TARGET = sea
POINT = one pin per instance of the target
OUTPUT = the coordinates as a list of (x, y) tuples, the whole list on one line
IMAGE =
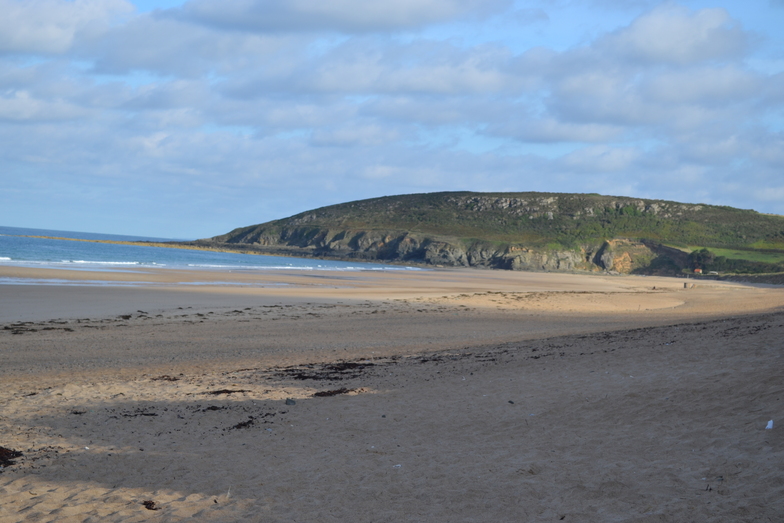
[(25, 247)]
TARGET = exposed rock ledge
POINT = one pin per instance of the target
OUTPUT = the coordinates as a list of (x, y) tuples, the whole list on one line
[(618, 255)]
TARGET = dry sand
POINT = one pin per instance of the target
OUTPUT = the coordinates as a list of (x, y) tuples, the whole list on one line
[(449, 395)]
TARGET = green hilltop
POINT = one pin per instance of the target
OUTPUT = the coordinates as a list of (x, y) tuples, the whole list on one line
[(539, 231)]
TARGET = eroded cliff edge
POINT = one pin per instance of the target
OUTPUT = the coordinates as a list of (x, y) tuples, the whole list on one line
[(515, 231)]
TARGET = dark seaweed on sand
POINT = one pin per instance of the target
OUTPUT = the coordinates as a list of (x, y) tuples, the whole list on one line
[(226, 391), (150, 505), (166, 377), (326, 393), (7, 456), (331, 372), (244, 424)]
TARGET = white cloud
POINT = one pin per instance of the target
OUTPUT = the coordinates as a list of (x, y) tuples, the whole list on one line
[(21, 106), (601, 158), (438, 111), (355, 135), (671, 34), (770, 194), (768, 149), (773, 90), (158, 108), (171, 47), (704, 85), (686, 74), (52, 26), (349, 16), (363, 66), (526, 16), (639, 103), (551, 130)]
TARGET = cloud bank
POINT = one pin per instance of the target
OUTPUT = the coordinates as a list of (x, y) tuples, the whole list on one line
[(192, 120)]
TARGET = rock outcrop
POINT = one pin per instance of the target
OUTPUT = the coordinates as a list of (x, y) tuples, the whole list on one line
[(515, 231), (618, 255)]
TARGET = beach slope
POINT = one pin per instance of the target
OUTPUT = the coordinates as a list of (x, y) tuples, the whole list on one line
[(438, 396)]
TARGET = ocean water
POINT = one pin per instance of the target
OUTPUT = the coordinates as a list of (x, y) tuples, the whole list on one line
[(19, 248)]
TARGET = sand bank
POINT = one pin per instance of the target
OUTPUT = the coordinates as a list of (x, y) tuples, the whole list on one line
[(70, 294), (446, 396)]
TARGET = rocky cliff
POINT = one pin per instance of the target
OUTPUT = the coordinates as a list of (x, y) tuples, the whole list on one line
[(517, 231)]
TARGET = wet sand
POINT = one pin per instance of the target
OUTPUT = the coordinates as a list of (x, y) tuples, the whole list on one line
[(448, 395)]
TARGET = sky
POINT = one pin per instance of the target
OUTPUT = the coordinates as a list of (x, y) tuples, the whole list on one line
[(189, 119)]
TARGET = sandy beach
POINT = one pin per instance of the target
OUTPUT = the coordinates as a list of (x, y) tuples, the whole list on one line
[(443, 395)]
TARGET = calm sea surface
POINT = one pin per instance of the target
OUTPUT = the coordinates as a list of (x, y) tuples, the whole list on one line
[(18, 248)]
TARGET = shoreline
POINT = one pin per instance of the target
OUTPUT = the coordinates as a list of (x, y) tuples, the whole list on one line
[(288, 252), (327, 314), (74, 294), (195, 246)]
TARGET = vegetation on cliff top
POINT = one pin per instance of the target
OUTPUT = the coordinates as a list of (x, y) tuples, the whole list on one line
[(538, 220)]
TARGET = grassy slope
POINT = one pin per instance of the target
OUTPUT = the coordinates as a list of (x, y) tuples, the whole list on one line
[(470, 216), (763, 256)]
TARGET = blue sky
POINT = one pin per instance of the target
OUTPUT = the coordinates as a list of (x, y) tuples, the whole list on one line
[(188, 119)]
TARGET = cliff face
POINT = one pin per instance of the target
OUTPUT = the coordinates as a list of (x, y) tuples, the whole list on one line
[(621, 256), (516, 231)]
